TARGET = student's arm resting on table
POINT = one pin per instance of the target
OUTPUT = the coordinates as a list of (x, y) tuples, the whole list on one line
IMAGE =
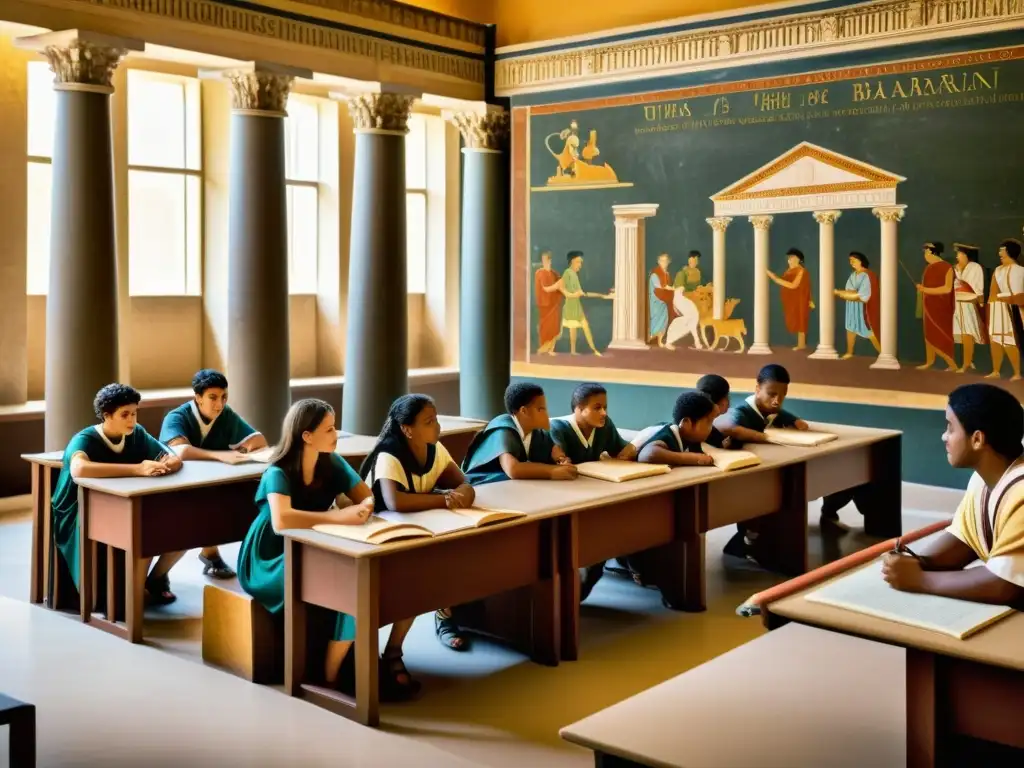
[(979, 585), (244, 437), (729, 428), (532, 470), (461, 492), (81, 466), (786, 420), (658, 453), (283, 517), (188, 452), (160, 453)]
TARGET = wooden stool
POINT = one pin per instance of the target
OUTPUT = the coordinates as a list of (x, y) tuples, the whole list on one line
[(21, 720), (241, 636)]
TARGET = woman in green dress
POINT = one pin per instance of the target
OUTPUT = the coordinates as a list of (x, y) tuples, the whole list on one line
[(306, 484), (573, 317), (116, 447)]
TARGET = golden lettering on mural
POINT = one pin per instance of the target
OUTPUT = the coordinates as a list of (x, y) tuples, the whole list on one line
[(721, 106), (668, 111), (917, 87)]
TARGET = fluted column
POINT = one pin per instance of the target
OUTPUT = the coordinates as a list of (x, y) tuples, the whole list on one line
[(81, 304), (761, 224), (718, 226), (485, 325), (376, 341), (826, 285), (629, 311), (889, 218), (258, 359)]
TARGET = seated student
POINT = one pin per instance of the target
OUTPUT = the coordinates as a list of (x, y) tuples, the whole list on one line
[(679, 442), (307, 483), (408, 470), (517, 445), (984, 429), (207, 429), (717, 388), (588, 434), (116, 447)]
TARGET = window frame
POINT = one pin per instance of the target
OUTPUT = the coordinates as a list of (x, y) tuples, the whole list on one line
[(424, 193), (193, 118), (34, 159), (314, 184)]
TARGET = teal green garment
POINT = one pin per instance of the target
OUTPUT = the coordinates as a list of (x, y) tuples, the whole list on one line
[(664, 433), (606, 440), (138, 447), (482, 464), (261, 557), (229, 430)]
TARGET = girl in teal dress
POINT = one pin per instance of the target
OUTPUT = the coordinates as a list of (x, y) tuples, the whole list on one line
[(409, 470), (116, 447), (307, 483)]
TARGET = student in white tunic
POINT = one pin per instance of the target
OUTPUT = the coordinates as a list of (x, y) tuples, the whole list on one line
[(1006, 296), (409, 470), (969, 290)]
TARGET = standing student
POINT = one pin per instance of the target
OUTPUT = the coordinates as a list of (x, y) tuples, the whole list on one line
[(517, 444), (207, 429), (409, 470), (588, 434), (984, 429), (116, 447), (306, 484)]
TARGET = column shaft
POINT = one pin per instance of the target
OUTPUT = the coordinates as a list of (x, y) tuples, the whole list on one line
[(889, 218), (376, 342), (485, 315), (718, 226), (627, 330), (761, 307), (81, 308), (258, 360), (826, 285)]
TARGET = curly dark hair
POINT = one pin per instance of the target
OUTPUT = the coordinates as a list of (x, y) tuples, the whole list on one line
[(112, 397), (208, 379)]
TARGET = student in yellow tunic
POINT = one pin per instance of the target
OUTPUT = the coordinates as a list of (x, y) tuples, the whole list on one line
[(116, 447), (984, 429), (306, 484), (409, 470), (207, 429)]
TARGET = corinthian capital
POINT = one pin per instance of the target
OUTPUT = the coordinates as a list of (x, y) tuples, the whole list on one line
[(892, 213), (761, 222), (719, 223), (259, 87), (487, 129), (827, 217), (380, 111), (81, 60)]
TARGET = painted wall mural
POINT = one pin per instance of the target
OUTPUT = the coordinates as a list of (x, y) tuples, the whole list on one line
[(861, 226)]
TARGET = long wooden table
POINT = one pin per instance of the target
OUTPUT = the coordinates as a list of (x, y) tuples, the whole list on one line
[(972, 687), (45, 584), (794, 697)]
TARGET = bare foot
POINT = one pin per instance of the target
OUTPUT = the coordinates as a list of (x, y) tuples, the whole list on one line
[(598, 353), (670, 347), (993, 375), (960, 370), (798, 349), (847, 356), (1015, 377), (924, 367), (552, 353)]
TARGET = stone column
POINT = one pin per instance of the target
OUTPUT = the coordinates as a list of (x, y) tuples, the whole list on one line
[(81, 305), (629, 310), (376, 342), (826, 285), (761, 226), (888, 279), (485, 324), (719, 225), (257, 345)]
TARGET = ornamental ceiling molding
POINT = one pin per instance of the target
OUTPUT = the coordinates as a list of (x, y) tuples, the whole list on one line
[(304, 30), (408, 18), (866, 25)]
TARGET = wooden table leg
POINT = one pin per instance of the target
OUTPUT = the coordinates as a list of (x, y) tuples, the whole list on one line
[(134, 594), (546, 638), (295, 619), (569, 586), (22, 738), (925, 724), (883, 516), (781, 545), (366, 644), (85, 558), (37, 568)]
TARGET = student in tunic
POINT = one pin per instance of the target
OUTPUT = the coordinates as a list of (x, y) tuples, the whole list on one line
[(678, 443), (409, 470), (207, 429), (588, 434), (116, 447), (717, 388), (517, 444), (307, 483), (984, 429)]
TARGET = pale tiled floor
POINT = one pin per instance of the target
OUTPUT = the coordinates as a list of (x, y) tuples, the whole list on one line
[(488, 707)]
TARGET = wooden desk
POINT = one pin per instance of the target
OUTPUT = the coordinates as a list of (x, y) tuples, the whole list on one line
[(45, 468), (378, 585), (972, 687), (794, 697), (204, 504)]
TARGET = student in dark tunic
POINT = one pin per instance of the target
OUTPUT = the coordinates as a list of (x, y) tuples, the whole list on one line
[(717, 388), (207, 429), (409, 470), (746, 423), (517, 444), (116, 447), (588, 434), (307, 483), (678, 442)]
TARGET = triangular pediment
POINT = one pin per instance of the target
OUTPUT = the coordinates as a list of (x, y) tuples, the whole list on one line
[(809, 169)]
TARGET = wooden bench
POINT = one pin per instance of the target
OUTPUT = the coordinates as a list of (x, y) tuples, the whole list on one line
[(20, 718), (241, 636), (804, 698)]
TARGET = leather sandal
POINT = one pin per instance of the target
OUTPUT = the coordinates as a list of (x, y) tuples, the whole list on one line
[(216, 567)]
